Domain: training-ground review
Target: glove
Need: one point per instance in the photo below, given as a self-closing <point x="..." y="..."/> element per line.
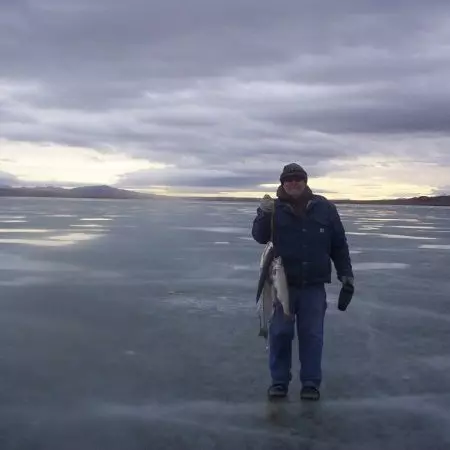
<point x="267" y="204"/>
<point x="348" y="280"/>
<point x="346" y="294"/>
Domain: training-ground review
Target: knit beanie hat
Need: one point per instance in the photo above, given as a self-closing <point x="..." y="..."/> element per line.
<point x="293" y="169"/>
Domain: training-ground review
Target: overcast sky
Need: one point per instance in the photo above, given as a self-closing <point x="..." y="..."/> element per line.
<point x="216" y="96"/>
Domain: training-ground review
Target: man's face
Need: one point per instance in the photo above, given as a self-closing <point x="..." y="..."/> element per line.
<point x="294" y="185"/>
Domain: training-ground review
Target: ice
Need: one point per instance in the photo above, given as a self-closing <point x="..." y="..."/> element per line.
<point x="24" y="281"/>
<point x="143" y="333"/>
<point x="225" y="230"/>
<point x="14" y="262"/>
<point x="414" y="227"/>
<point x="378" y="266"/>
<point x="403" y="236"/>
<point x="436" y="246"/>
<point x="245" y="267"/>
<point x="23" y="230"/>
<point x="391" y="236"/>
<point x="61" y="215"/>
<point x="74" y="237"/>
<point x="52" y="241"/>
<point x="10" y="217"/>
<point x="92" y="225"/>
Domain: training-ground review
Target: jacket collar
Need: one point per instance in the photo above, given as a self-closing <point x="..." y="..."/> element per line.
<point x="298" y="206"/>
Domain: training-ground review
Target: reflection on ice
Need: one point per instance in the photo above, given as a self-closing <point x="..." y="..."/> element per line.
<point x="61" y="215"/>
<point x="436" y="246"/>
<point x="74" y="237"/>
<point x="215" y="229"/>
<point x="390" y="236"/>
<point x="53" y="241"/>
<point x="384" y="219"/>
<point x="92" y="225"/>
<point x="95" y="219"/>
<point x="23" y="230"/>
<point x="244" y="267"/>
<point x="414" y="227"/>
<point x="8" y="217"/>
<point x="402" y="236"/>
<point x="379" y="265"/>
<point x="369" y="228"/>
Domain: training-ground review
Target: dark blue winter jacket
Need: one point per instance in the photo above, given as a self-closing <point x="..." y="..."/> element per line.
<point x="307" y="243"/>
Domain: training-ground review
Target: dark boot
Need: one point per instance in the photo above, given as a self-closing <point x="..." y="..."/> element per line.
<point x="310" y="393"/>
<point x="277" y="391"/>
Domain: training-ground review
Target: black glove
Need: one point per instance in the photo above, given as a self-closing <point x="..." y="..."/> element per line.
<point x="346" y="294"/>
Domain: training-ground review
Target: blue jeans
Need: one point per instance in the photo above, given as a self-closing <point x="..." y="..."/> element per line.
<point x="309" y="305"/>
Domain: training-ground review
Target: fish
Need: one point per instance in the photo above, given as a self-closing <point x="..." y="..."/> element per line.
<point x="280" y="285"/>
<point x="264" y="295"/>
<point x="272" y="288"/>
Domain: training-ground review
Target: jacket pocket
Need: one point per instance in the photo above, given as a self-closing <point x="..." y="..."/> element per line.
<point x="320" y="233"/>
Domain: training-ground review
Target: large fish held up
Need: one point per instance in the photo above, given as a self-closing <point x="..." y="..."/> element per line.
<point x="272" y="288"/>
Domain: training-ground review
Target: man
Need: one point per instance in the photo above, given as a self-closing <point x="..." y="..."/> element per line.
<point x="308" y="234"/>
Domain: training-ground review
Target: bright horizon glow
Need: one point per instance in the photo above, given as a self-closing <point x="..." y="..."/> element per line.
<point x="62" y="164"/>
<point x="321" y="186"/>
<point x="367" y="178"/>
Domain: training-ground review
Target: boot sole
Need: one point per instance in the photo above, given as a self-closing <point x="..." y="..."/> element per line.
<point x="310" y="396"/>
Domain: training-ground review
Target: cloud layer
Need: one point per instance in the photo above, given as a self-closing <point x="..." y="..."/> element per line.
<point x="225" y="93"/>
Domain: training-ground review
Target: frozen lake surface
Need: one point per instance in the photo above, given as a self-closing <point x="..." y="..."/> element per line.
<point x="132" y="325"/>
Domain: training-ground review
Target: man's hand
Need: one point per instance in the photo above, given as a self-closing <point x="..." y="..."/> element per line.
<point x="348" y="281"/>
<point x="267" y="204"/>
<point x="346" y="294"/>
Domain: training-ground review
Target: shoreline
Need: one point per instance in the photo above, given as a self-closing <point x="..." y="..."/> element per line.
<point x="111" y="193"/>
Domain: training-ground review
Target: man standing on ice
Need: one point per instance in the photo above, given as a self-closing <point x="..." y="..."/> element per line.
<point x="308" y="235"/>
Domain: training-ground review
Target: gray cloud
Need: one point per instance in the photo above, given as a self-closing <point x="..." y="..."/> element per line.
<point x="10" y="180"/>
<point x="6" y="179"/>
<point x="201" y="178"/>
<point x="444" y="190"/>
<point x="227" y="91"/>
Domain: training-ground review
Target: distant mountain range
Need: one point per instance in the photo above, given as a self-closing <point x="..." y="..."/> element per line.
<point x="439" y="200"/>
<point x="105" y="192"/>
<point x="108" y="192"/>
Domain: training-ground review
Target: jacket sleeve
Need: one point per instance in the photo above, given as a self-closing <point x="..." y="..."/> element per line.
<point x="261" y="227"/>
<point x="340" y="254"/>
